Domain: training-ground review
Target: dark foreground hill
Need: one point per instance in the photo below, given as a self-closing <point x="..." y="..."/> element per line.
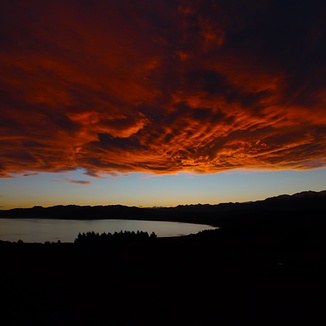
<point x="265" y="269"/>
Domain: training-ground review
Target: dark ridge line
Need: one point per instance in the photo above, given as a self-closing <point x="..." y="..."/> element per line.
<point x="215" y="215"/>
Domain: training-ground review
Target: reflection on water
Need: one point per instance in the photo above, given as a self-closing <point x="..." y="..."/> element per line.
<point x="42" y="230"/>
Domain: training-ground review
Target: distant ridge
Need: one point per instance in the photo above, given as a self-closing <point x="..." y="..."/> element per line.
<point x="199" y="213"/>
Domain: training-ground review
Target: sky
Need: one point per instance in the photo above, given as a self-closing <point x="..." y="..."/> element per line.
<point x="160" y="103"/>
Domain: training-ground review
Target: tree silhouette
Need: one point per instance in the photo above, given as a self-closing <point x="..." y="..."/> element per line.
<point x="105" y="239"/>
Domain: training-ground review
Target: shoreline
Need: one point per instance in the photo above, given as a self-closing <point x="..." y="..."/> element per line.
<point x="266" y="277"/>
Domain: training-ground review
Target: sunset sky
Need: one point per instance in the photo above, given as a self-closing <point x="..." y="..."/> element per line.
<point x="162" y="102"/>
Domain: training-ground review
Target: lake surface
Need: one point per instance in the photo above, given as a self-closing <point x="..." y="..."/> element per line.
<point x="42" y="230"/>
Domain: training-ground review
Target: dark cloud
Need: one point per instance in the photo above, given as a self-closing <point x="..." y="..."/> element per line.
<point x="79" y="182"/>
<point x="165" y="86"/>
<point x="30" y="174"/>
<point x="73" y="181"/>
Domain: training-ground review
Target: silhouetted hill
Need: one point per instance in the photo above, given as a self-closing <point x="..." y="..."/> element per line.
<point x="266" y="265"/>
<point x="216" y="215"/>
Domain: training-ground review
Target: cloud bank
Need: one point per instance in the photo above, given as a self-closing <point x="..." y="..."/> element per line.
<point x="162" y="87"/>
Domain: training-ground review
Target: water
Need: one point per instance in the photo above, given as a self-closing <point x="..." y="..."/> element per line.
<point x="42" y="230"/>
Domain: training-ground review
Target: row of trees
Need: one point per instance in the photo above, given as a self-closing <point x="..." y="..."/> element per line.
<point x="92" y="238"/>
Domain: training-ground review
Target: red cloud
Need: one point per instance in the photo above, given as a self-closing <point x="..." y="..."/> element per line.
<point x="176" y="86"/>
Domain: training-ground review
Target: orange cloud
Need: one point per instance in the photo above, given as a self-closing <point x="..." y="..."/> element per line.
<point x="130" y="86"/>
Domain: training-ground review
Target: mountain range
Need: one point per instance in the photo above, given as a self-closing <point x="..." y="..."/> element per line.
<point x="294" y="205"/>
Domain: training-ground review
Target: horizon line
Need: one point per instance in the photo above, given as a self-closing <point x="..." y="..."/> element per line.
<point x="162" y="207"/>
